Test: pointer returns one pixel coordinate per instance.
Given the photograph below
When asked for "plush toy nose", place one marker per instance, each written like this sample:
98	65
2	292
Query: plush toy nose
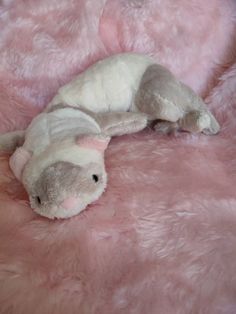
70	203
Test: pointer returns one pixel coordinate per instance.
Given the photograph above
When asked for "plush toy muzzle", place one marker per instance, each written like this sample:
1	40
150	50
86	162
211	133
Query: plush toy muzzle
65	189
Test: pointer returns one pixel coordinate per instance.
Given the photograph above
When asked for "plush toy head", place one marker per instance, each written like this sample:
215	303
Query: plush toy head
65	178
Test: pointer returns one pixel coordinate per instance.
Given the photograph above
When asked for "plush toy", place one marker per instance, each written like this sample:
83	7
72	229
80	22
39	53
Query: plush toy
60	157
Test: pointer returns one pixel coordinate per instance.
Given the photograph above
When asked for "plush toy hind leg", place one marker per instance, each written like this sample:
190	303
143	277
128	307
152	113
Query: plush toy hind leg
163	97
199	121
193	121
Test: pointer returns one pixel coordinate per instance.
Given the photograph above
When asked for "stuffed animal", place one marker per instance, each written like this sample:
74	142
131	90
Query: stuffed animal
60	157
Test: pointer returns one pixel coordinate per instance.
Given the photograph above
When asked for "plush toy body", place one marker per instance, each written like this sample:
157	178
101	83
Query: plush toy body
60	160
134	82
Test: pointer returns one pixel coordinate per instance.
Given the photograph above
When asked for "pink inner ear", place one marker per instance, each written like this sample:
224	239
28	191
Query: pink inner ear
18	161
95	142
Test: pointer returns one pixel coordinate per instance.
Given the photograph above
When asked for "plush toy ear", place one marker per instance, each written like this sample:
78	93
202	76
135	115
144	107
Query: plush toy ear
96	142
18	161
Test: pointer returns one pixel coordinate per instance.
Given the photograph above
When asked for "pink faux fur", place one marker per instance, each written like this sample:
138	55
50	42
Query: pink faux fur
162	239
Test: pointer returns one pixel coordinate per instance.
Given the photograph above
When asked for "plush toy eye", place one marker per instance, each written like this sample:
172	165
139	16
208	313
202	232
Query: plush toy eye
95	178
38	200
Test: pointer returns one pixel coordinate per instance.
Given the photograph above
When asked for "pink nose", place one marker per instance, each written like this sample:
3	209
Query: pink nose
70	202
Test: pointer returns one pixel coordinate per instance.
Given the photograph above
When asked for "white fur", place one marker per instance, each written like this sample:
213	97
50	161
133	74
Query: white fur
51	138
63	151
108	85
49	128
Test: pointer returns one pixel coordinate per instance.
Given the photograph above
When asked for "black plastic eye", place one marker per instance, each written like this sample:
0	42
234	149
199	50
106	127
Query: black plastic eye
38	200
95	178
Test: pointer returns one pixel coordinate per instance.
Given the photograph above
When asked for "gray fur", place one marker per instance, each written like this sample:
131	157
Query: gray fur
61	179
163	97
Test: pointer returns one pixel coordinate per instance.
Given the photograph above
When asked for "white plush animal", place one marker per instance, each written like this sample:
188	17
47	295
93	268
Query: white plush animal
60	160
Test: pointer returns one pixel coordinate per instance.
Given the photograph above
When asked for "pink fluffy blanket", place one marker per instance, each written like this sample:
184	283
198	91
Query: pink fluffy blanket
162	239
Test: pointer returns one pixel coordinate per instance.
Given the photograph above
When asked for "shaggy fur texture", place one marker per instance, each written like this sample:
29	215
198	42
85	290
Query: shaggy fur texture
162	239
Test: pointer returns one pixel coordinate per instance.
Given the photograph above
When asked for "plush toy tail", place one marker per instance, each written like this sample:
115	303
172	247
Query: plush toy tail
10	141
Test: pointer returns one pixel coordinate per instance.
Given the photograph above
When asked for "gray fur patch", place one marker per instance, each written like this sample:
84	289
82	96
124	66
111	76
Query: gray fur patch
62	179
